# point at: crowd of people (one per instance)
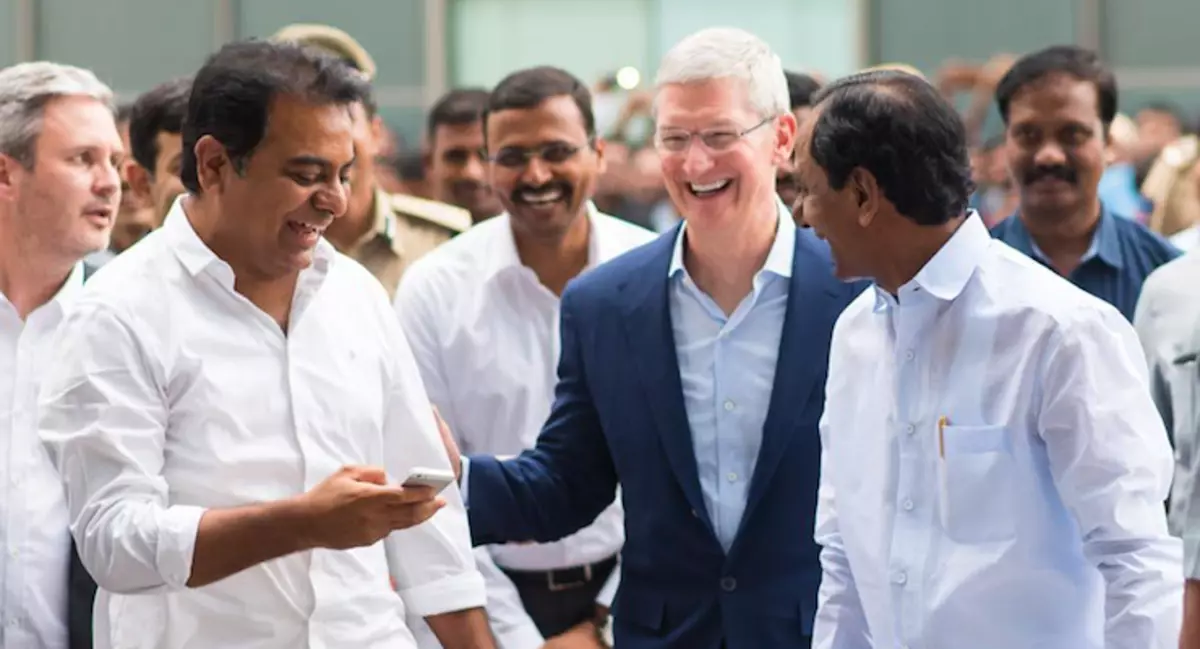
(813, 365)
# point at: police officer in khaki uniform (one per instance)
(1170, 185)
(384, 232)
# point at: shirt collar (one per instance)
(779, 259)
(65, 294)
(503, 255)
(197, 257)
(1105, 245)
(946, 274)
(384, 226)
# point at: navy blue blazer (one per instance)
(618, 417)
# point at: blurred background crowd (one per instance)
(425, 48)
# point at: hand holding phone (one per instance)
(436, 479)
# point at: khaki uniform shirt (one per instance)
(1170, 186)
(406, 228)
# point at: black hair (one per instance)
(525, 89)
(899, 128)
(458, 107)
(1074, 61)
(801, 88)
(232, 93)
(409, 165)
(159, 110)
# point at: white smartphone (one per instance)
(437, 479)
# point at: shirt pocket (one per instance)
(976, 481)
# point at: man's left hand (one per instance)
(582, 636)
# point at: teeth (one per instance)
(710, 187)
(545, 196)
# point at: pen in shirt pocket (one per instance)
(941, 432)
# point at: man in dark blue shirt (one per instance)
(1057, 106)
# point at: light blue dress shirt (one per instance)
(727, 369)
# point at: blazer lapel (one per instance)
(652, 343)
(800, 367)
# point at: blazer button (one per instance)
(728, 584)
(694, 514)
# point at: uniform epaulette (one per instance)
(451, 217)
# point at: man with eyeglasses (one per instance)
(488, 356)
(692, 372)
(384, 232)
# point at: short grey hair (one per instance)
(26, 88)
(728, 52)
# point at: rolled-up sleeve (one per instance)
(103, 420)
(432, 563)
(1112, 464)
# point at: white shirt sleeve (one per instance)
(513, 627)
(432, 563)
(419, 321)
(103, 420)
(1111, 462)
(840, 622)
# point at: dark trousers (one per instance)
(558, 600)
(81, 596)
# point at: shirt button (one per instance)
(910, 429)
(900, 577)
(728, 584)
(729, 405)
(909, 355)
(908, 505)
(732, 477)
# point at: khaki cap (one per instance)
(330, 40)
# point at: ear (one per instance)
(10, 175)
(212, 164)
(785, 138)
(1110, 151)
(139, 182)
(377, 132)
(865, 191)
(598, 147)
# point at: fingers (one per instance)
(415, 514)
(371, 474)
(396, 496)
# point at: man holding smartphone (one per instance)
(232, 405)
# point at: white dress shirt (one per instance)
(1034, 519)
(485, 334)
(171, 394)
(1166, 317)
(35, 546)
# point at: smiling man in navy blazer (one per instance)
(692, 372)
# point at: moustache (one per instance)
(467, 185)
(1055, 172)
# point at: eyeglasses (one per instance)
(516, 157)
(717, 139)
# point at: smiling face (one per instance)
(543, 168)
(67, 203)
(458, 171)
(719, 156)
(1055, 145)
(293, 186)
(834, 215)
